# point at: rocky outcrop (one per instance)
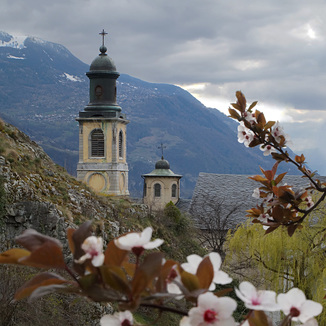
(43, 196)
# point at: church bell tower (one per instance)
(102, 131)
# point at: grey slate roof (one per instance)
(229, 191)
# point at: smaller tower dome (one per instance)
(162, 164)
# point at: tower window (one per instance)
(145, 189)
(174, 190)
(97, 143)
(120, 144)
(98, 91)
(157, 190)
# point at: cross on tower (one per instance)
(103, 33)
(162, 148)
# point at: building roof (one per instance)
(224, 193)
(162, 169)
(103, 62)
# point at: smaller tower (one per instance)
(103, 131)
(161, 186)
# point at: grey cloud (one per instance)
(260, 47)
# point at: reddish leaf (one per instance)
(291, 229)
(205, 273)
(274, 169)
(252, 105)
(271, 229)
(146, 272)
(115, 278)
(49, 255)
(247, 124)
(241, 100)
(234, 114)
(277, 213)
(269, 175)
(258, 318)
(254, 212)
(279, 157)
(114, 255)
(261, 119)
(258, 178)
(236, 106)
(78, 237)
(269, 125)
(280, 178)
(33, 240)
(190, 281)
(300, 159)
(130, 268)
(223, 292)
(71, 243)
(40, 280)
(12, 256)
(282, 141)
(255, 142)
(164, 275)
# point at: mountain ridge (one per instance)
(43, 94)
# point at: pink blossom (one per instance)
(211, 311)
(93, 247)
(123, 318)
(256, 299)
(295, 304)
(220, 277)
(138, 241)
(245, 135)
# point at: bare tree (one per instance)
(214, 216)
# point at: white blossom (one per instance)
(137, 241)
(267, 149)
(257, 299)
(249, 116)
(245, 135)
(256, 193)
(295, 304)
(277, 132)
(93, 247)
(211, 311)
(123, 318)
(310, 322)
(220, 277)
(309, 202)
(172, 282)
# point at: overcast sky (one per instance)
(272, 50)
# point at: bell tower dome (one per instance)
(103, 130)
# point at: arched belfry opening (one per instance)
(103, 130)
(97, 143)
(121, 145)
